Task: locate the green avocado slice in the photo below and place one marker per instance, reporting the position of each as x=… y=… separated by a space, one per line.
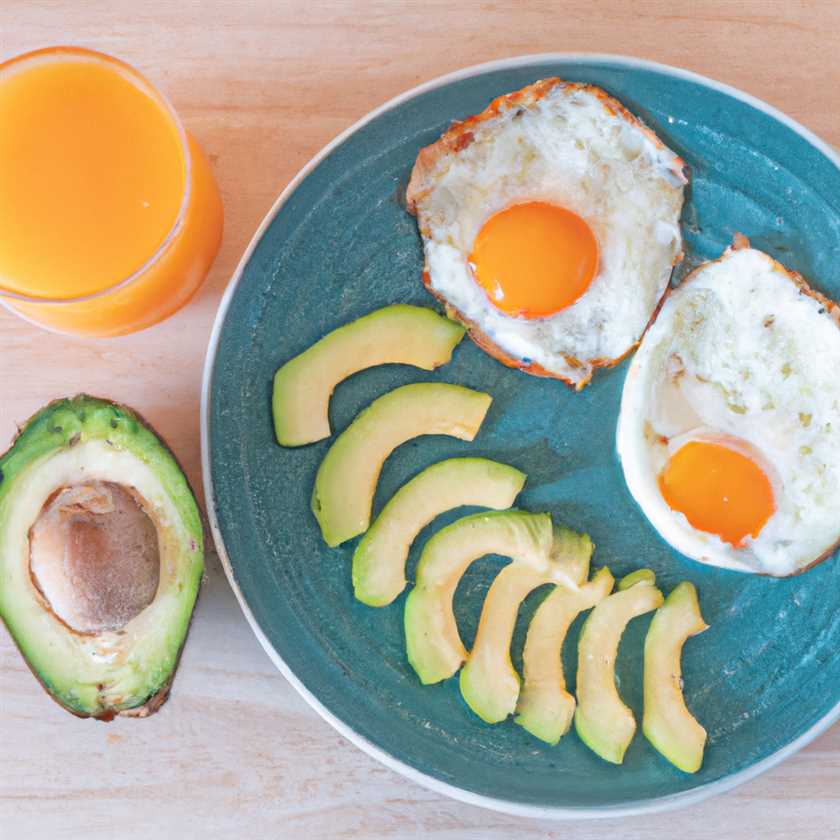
x=639 y=576
x=433 y=643
x=546 y=708
x=346 y=480
x=101 y=556
x=379 y=559
x=666 y=721
x=602 y=720
x=398 y=334
x=489 y=683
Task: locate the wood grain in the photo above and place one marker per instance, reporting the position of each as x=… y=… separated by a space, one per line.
x=264 y=85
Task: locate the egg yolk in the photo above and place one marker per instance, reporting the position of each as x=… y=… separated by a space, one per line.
x=719 y=489
x=534 y=259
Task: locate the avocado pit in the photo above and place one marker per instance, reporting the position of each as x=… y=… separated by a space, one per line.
x=94 y=556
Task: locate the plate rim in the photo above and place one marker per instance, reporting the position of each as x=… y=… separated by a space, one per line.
x=644 y=806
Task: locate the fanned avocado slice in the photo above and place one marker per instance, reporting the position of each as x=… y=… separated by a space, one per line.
x=639 y=576
x=101 y=556
x=346 y=481
x=433 y=644
x=379 y=559
x=666 y=721
x=546 y=708
x=398 y=334
x=489 y=682
x=602 y=720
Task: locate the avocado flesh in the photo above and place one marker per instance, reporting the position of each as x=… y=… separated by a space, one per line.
x=398 y=334
x=433 y=643
x=489 y=682
x=666 y=721
x=546 y=708
x=639 y=576
x=380 y=558
x=602 y=720
x=86 y=445
x=346 y=480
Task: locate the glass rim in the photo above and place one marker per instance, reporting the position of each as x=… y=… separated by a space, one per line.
x=146 y=86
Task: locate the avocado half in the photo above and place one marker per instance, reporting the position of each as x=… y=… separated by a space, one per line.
x=101 y=556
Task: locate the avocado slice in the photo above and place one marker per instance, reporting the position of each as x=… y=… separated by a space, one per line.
x=546 y=708
x=346 y=480
x=602 y=720
x=379 y=559
x=489 y=682
x=666 y=721
x=101 y=556
x=639 y=576
x=398 y=334
x=433 y=644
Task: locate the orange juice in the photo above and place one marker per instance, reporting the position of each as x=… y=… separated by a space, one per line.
x=109 y=214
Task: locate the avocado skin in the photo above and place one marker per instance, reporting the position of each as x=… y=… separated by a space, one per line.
x=64 y=423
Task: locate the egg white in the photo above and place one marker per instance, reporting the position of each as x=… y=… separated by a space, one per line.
x=571 y=149
x=743 y=353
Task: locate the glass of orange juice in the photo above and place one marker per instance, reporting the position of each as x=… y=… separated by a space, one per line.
x=110 y=217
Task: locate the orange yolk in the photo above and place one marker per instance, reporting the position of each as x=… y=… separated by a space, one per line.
x=534 y=259
x=719 y=489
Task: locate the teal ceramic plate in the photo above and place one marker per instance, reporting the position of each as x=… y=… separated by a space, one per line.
x=338 y=243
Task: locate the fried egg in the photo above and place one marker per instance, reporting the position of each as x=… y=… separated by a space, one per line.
x=729 y=430
x=550 y=225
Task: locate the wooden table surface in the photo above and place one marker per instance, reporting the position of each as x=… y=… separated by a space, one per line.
x=264 y=85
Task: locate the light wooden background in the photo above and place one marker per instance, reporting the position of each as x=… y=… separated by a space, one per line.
x=264 y=85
